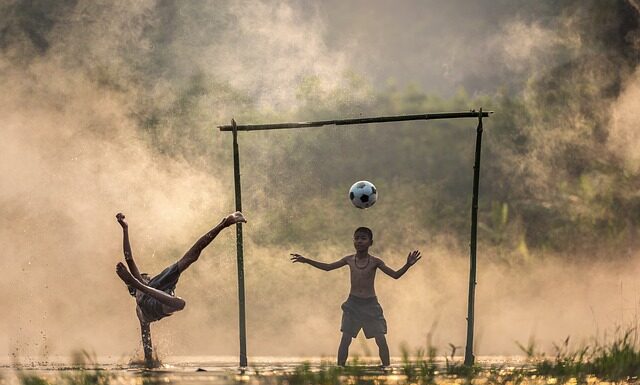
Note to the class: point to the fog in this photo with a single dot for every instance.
(113, 106)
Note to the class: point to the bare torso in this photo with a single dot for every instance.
(363, 275)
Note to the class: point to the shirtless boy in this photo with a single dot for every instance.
(155, 297)
(362, 310)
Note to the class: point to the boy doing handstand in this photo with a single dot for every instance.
(362, 310)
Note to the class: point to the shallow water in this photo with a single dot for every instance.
(195, 370)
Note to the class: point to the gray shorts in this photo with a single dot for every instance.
(166, 281)
(363, 313)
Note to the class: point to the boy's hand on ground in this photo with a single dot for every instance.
(413, 257)
(298, 258)
(234, 218)
(122, 221)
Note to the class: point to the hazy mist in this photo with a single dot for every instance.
(113, 106)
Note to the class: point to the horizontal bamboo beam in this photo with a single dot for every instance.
(344, 122)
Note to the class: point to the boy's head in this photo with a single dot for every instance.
(362, 238)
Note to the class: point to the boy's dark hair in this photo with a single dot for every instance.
(365, 230)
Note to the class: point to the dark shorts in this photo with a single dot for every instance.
(165, 281)
(363, 313)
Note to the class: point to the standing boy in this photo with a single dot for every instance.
(362, 310)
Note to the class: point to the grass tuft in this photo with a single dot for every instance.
(615, 360)
(85, 372)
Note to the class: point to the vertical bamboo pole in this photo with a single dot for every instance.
(147, 346)
(468, 353)
(239, 249)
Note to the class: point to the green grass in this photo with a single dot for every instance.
(29, 379)
(84, 371)
(75, 377)
(304, 374)
(420, 369)
(616, 359)
(424, 369)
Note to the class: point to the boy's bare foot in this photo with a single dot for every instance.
(124, 275)
(234, 218)
(121, 220)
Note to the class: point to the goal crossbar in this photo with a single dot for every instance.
(344, 122)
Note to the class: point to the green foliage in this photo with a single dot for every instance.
(304, 374)
(456, 368)
(548, 179)
(543, 184)
(420, 369)
(30, 379)
(84, 370)
(355, 372)
(74, 377)
(615, 360)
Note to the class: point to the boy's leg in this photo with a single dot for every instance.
(194, 252)
(383, 349)
(343, 349)
(147, 346)
(170, 301)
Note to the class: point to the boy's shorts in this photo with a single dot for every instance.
(166, 281)
(363, 313)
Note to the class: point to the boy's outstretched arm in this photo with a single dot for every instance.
(412, 258)
(320, 265)
(126, 247)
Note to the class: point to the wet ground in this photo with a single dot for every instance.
(212, 370)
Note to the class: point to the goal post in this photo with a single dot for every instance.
(235, 128)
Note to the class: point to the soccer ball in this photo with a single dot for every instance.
(363, 194)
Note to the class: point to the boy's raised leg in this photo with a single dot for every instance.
(193, 253)
(343, 349)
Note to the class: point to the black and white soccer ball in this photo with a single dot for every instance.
(363, 194)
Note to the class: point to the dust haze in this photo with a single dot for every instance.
(112, 106)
